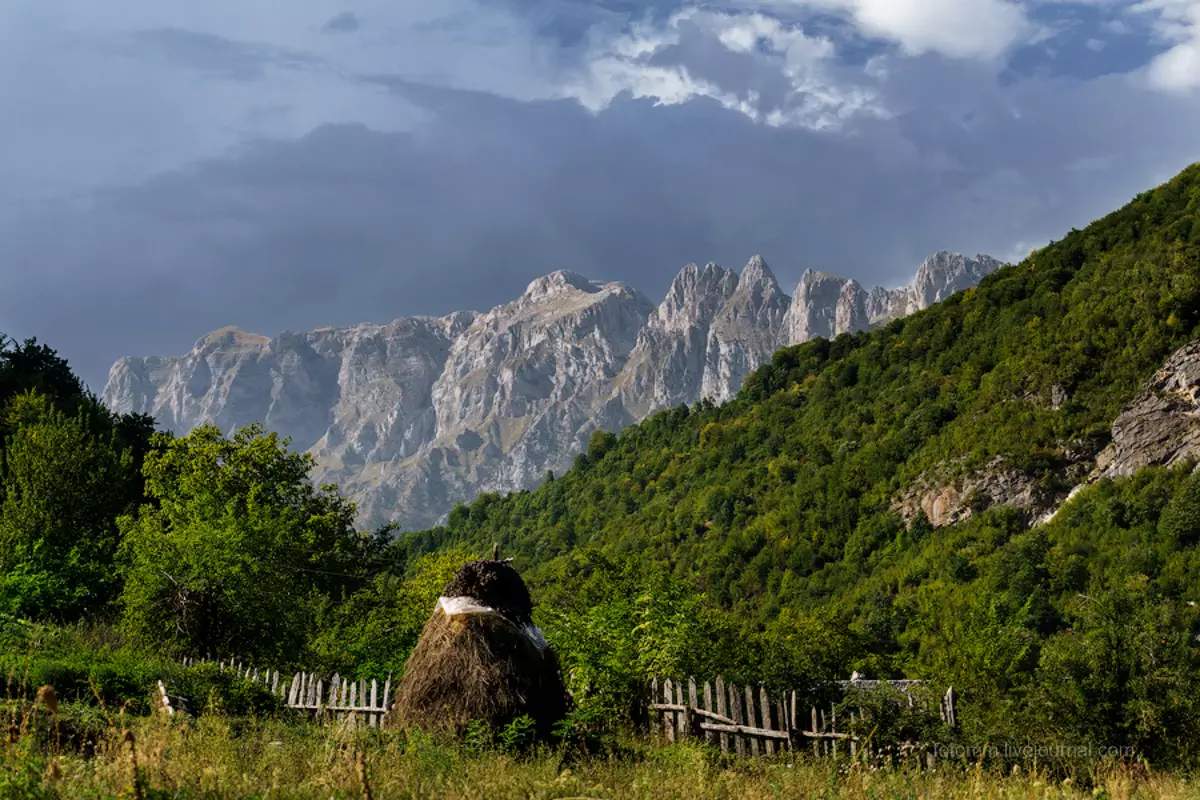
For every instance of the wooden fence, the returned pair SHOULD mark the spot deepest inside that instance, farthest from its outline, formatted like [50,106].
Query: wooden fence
[339,698]
[749,721]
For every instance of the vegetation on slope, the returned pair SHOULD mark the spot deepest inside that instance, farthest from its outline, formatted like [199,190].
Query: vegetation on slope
[783,498]
[757,540]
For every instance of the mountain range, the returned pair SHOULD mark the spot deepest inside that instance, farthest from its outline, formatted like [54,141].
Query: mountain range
[414,416]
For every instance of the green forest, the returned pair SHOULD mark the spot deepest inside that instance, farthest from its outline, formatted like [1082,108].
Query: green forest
[758,540]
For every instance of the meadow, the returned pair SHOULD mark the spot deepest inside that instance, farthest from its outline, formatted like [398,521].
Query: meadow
[217,756]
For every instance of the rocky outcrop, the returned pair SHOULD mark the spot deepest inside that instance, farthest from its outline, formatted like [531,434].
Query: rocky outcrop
[1159,427]
[414,416]
[947,502]
[938,277]
[1162,423]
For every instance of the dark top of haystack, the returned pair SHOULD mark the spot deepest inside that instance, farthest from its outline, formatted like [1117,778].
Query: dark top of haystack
[494,584]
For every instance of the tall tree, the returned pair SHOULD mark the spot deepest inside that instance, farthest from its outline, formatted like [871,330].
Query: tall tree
[63,488]
[237,550]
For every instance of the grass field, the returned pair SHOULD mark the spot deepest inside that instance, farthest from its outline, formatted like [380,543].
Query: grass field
[217,757]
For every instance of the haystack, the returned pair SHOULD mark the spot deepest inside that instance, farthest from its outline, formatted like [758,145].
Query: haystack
[480,657]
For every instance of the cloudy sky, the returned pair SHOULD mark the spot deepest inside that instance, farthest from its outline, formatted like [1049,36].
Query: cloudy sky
[168,167]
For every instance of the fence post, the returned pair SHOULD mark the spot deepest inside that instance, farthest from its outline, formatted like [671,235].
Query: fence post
[681,721]
[692,718]
[723,710]
[735,709]
[668,717]
[764,710]
[948,714]
[655,729]
[816,728]
[834,729]
[751,718]
[708,706]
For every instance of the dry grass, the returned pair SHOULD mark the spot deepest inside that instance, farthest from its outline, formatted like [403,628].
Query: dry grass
[222,758]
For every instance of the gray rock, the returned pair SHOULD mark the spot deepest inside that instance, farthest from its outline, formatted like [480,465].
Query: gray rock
[1162,424]
[414,416]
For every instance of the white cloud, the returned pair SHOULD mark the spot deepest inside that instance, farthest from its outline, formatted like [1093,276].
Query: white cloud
[654,62]
[983,29]
[1177,22]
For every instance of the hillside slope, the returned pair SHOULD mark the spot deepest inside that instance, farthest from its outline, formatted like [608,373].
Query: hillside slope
[815,475]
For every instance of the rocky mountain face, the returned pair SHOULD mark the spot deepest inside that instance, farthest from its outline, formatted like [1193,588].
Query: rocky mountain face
[1159,427]
[1162,424]
[415,416]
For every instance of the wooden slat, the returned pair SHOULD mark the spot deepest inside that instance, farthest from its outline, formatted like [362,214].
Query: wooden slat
[681,730]
[747,730]
[655,697]
[693,699]
[751,717]
[815,726]
[793,718]
[783,720]
[833,726]
[708,706]
[668,723]
[764,710]
[735,711]
[722,710]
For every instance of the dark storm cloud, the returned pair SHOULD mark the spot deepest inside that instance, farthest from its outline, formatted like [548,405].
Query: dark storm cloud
[345,22]
[216,55]
[348,224]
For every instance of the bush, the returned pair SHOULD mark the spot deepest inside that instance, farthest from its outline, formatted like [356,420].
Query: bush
[215,691]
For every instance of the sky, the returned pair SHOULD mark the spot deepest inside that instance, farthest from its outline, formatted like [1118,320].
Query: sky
[169,167]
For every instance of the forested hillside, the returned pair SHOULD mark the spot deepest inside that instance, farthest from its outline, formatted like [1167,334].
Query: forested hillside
[772,539]
[778,511]
[784,497]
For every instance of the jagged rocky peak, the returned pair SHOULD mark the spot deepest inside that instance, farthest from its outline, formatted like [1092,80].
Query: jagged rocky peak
[745,332]
[228,337]
[824,306]
[938,277]
[557,282]
[696,295]
[944,273]
[413,416]
[757,291]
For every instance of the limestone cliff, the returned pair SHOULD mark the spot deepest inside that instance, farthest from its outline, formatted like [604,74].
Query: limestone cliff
[416,415]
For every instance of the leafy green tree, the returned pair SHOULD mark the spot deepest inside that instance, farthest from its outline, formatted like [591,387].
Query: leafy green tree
[238,551]
[63,489]
[1180,520]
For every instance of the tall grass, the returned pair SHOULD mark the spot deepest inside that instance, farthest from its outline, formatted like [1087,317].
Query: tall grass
[223,757]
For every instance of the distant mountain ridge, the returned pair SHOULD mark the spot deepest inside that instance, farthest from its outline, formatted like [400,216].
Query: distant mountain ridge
[419,414]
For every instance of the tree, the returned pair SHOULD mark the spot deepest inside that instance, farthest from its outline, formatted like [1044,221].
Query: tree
[238,550]
[63,489]
[1180,520]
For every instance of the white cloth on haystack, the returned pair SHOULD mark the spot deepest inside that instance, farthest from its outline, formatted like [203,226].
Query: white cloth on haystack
[451,606]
